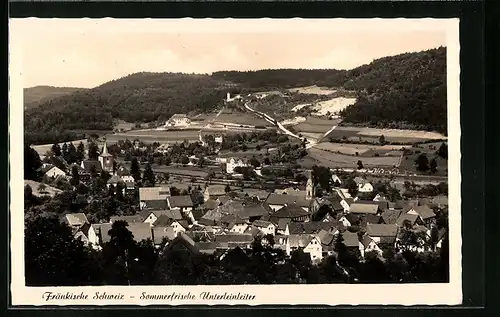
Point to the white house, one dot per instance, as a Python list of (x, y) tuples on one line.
[(218, 139), (182, 203), (336, 179), (232, 163), (345, 221), (369, 245), (54, 172), (178, 119), (308, 243), (365, 187), (265, 226), (238, 227)]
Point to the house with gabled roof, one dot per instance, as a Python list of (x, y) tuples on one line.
[(278, 201), (128, 219), (383, 233), (176, 225), (181, 243), (369, 245), (351, 241), (310, 244), (253, 212), (390, 216), (266, 227), (232, 240), (362, 207), (182, 203), (293, 212), (282, 227), (161, 234), (76, 220), (410, 219), (424, 212), (54, 172), (214, 191), (154, 193)]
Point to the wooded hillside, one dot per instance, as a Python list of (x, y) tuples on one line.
[(403, 91), (35, 96)]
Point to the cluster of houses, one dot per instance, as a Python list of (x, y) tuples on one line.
[(223, 220), (56, 167)]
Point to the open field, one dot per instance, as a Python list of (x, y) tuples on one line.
[(49, 190), (351, 149), (151, 136), (293, 121), (241, 118), (315, 125), (358, 134), (313, 90), (335, 160), (332, 106), (43, 148)]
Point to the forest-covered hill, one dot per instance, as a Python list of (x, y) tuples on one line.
[(403, 91), (35, 96), (139, 97)]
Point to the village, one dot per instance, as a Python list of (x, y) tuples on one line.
[(232, 204)]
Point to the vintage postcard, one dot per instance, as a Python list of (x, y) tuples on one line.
[(235, 161)]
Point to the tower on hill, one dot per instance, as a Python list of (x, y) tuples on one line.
[(106, 159)]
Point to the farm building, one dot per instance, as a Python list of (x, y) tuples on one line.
[(178, 119), (233, 163)]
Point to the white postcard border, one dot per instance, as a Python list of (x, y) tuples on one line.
[(322, 294)]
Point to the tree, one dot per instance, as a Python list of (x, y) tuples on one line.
[(382, 139), (62, 261), (32, 163), (149, 176), (42, 188), (360, 165), (352, 187), (422, 163), (184, 160), (93, 151), (80, 152), (443, 150), (433, 166), (75, 177), (56, 149), (254, 162), (201, 161), (227, 189), (134, 169)]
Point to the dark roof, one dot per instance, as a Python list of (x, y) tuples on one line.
[(350, 239), (254, 231), (207, 247), (366, 240), (282, 223), (424, 212), (290, 211), (279, 199), (311, 227), (163, 221), (262, 223), (211, 204), (326, 237), (369, 218), (128, 219), (382, 230), (254, 211), (232, 219), (410, 217), (156, 204), (184, 240), (252, 192), (180, 201), (225, 238), (390, 216)]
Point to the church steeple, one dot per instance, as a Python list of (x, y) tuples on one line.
[(309, 186), (106, 159)]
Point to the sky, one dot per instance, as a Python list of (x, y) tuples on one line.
[(86, 53)]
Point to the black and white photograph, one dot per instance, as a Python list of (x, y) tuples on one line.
[(199, 161)]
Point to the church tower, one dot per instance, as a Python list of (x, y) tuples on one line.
[(106, 159), (309, 186)]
